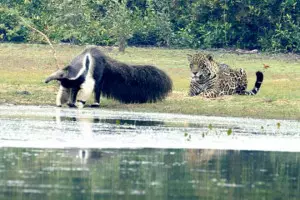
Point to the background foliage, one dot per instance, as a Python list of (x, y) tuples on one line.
[(251, 24)]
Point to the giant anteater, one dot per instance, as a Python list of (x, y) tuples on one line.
[(93, 71)]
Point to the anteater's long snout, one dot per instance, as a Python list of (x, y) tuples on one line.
[(55, 76)]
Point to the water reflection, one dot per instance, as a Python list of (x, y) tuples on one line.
[(91, 122), (86, 156), (148, 174), (92, 125), (60, 117)]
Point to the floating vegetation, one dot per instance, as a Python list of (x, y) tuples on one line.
[(278, 125), (263, 131), (229, 132), (210, 127), (187, 136)]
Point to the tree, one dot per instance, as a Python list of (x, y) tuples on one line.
[(272, 25), (75, 22), (161, 16), (121, 22)]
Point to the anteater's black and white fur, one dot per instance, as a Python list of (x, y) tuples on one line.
[(93, 71)]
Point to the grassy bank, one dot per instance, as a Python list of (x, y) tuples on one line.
[(23, 69)]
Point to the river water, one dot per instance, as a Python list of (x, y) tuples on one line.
[(60, 153)]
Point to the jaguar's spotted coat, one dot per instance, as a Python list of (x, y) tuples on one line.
[(211, 79)]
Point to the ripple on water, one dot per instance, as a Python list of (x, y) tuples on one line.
[(230, 185)]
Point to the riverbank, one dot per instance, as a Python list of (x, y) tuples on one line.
[(24, 67)]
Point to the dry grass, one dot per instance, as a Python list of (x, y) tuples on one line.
[(23, 68)]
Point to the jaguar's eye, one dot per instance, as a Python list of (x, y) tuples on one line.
[(191, 66)]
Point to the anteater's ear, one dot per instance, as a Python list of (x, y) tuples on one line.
[(189, 57), (209, 57)]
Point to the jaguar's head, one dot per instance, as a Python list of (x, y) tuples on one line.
[(202, 67)]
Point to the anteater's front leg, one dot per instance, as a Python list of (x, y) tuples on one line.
[(72, 97), (62, 96), (86, 89)]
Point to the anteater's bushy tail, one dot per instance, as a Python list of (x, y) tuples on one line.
[(133, 83)]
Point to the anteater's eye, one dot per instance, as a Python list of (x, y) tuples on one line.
[(66, 68)]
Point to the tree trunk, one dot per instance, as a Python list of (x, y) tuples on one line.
[(122, 44)]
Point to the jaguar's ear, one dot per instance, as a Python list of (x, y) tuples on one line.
[(189, 57), (209, 57)]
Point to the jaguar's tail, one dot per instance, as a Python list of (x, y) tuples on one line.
[(259, 80)]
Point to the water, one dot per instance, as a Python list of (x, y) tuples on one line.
[(148, 174), (50, 127), (52, 153)]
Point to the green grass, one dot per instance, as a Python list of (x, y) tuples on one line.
[(23, 67)]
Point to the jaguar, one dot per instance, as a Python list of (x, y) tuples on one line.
[(211, 79)]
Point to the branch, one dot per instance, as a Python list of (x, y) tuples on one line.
[(25, 23), (45, 36)]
